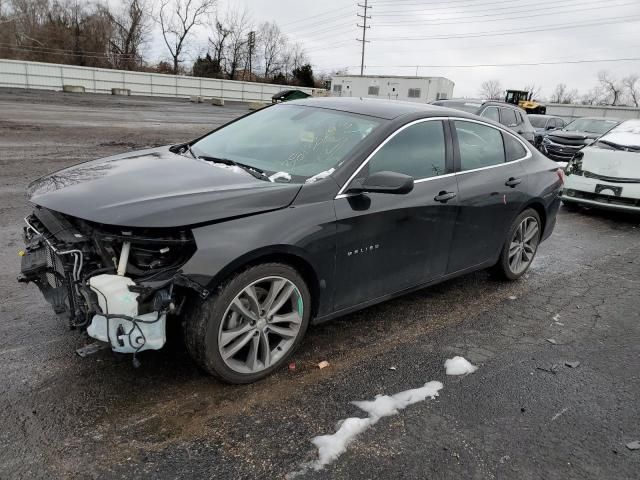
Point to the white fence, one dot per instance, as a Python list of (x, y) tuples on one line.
[(51, 76), (576, 111)]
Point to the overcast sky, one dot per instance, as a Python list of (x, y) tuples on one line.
[(488, 33)]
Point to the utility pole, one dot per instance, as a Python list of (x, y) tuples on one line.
[(252, 46), (364, 27)]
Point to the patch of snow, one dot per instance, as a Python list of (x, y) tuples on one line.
[(385, 405), (559, 413), (320, 176), (282, 177), (459, 366), (233, 168), (330, 447)]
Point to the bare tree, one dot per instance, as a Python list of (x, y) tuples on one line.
[(594, 96), (217, 40), (236, 49), (177, 19), (558, 93), (633, 90), (611, 86), (130, 29), (562, 95), (272, 43), (491, 90), (534, 90)]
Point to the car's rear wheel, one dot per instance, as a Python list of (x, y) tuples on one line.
[(252, 325), (521, 245)]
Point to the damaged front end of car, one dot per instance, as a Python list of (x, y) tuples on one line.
[(120, 284)]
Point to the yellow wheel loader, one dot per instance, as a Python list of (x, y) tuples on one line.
[(523, 100)]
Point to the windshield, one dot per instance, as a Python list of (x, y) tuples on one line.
[(591, 125), (300, 141), (537, 121), (625, 136)]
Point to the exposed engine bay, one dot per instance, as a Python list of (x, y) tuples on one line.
[(116, 283)]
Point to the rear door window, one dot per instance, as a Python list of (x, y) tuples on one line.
[(491, 113), (480, 145), (508, 117)]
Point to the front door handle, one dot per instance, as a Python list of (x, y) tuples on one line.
[(444, 197), (513, 182)]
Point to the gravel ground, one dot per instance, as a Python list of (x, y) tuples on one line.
[(523, 414)]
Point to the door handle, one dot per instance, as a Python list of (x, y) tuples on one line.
[(512, 182), (444, 197)]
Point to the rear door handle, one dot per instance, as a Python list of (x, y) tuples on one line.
[(444, 197), (512, 182)]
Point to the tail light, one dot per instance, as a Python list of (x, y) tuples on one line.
[(560, 174)]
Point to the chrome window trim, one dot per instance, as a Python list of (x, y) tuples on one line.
[(528, 155)]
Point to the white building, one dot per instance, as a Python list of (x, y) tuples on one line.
[(413, 89)]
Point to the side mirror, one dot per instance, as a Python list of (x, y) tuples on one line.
[(383, 182)]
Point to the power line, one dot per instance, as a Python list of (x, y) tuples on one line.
[(313, 18), (548, 11), (364, 27), (493, 33), (522, 64), (61, 51), (318, 23), (465, 7)]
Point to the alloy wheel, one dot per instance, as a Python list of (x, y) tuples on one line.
[(260, 325), (524, 244)]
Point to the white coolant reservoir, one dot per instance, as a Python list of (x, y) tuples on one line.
[(126, 335), (114, 296)]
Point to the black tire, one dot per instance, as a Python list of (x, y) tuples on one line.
[(502, 268), (201, 329)]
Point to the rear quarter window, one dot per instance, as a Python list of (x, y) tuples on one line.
[(513, 149)]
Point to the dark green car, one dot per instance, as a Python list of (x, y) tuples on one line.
[(287, 95)]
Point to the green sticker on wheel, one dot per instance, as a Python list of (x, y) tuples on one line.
[(300, 305)]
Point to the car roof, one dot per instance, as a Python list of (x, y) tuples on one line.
[(478, 102), (542, 115), (374, 107)]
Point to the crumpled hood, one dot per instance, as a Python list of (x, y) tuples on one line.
[(572, 138), (611, 163), (157, 188)]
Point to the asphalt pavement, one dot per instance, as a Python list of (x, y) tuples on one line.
[(525, 413)]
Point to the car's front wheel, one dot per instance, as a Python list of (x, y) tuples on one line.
[(521, 245), (251, 326)]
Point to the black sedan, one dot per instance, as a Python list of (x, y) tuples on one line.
[(297, 213), (562, 144)]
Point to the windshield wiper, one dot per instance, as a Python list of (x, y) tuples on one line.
[(256, 172), (617, 146), (613, 145)]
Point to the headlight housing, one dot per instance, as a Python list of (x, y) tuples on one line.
[(575, 164)]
